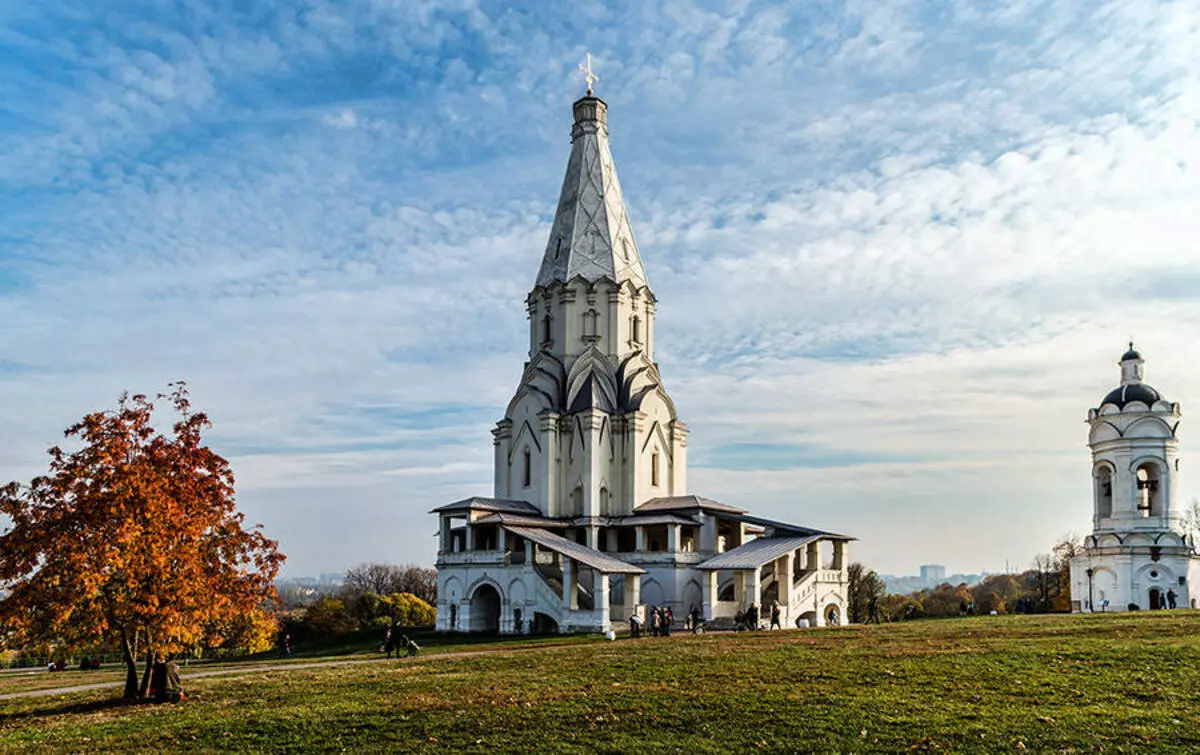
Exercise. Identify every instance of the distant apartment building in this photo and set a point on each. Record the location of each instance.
(933, 574)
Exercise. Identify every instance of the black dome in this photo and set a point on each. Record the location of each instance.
(1134, 392)
(1131, 354)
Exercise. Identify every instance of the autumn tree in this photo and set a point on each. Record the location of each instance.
(132, 538)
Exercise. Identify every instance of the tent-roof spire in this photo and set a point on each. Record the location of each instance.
(591, 236)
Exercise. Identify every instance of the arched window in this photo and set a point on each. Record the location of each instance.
(527, 470)
(1104, 491)
(576, 502)
(654, 469)
(635, 330)
(1149, 491)
(590, 324)
(604, 508)
(547, 333)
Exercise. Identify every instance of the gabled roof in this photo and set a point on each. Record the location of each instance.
(794, 530)
(503, 505)
(591, 236)
(601, 562)
(521, 520)
(756, 553)
(686, 502)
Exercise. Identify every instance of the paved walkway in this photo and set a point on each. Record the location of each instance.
(247, 669)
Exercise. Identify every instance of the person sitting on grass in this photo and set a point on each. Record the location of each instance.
(165, 685)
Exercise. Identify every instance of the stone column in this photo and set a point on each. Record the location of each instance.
(739, 589)
(673, 537)
(839, 555)
(710, 595)
(501, 540)
(785, 587)
(470, 536)
(812, 557)
(570, 594)
(602, 607)
(593, 537)
(640, 538)
(633, 593)
(754, 587)
(548, 496)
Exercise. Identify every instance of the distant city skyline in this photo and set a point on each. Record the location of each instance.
(898, 247)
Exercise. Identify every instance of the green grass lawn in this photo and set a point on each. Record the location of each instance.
(1117, 683)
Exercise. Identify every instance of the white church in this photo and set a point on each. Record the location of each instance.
(1138, 555)
(591, 519)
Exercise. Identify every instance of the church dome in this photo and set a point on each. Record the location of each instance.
(1122, 395)
(1131, 354)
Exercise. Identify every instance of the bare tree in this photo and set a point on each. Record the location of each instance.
(864, 588)
(385, 579)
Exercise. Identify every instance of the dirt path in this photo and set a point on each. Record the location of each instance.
(234, 671)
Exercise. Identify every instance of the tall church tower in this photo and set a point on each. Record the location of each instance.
(591, 431)
(1138, 553)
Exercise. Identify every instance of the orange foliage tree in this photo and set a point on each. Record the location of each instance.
(134, 537)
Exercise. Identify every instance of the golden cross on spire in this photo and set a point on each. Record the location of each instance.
(591, 77)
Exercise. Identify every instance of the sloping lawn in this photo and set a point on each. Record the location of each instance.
(1117, 683)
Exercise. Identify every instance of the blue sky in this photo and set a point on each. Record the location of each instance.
(898, 245)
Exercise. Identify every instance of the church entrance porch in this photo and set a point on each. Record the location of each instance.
(485, 609)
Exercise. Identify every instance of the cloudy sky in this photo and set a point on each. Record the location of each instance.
(898, 245)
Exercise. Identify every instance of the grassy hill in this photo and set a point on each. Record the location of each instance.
(1117, 683)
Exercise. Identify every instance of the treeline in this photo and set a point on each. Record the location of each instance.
(373, 596)
(1044, 588)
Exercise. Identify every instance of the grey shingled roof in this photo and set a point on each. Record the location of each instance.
(502, 505)
(682, 502)
(521, 520)
(601, 562)
(756, 553)
(784, 528)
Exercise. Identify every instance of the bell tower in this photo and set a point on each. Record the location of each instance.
(1134, 455)
(1139, 555)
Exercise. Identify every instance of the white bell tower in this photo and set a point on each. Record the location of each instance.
(1138, 553)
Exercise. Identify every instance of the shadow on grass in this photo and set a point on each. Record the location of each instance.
(92, 706)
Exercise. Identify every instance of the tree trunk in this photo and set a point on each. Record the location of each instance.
(145, 688)
(128, 653)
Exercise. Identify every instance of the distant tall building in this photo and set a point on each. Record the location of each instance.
(933, 574)
(1138, 554)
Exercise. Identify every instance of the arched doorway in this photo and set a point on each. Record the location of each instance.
(543, 624)
(1155, 599)
(833, 616)
(454, 616)
(485, 609)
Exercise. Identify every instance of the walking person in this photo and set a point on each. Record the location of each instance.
(654, 621)
(668, 618)
(776, 614)
(388, 645)
(1171, 598)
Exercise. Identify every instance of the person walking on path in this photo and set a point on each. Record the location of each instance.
(388, 644)
(1171, 598)
(775, 616)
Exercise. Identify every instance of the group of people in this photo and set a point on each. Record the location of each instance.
(393, 644)
(749, 619)
(165, 685)
(658, 621)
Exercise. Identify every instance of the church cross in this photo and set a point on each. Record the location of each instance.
(591, 77)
